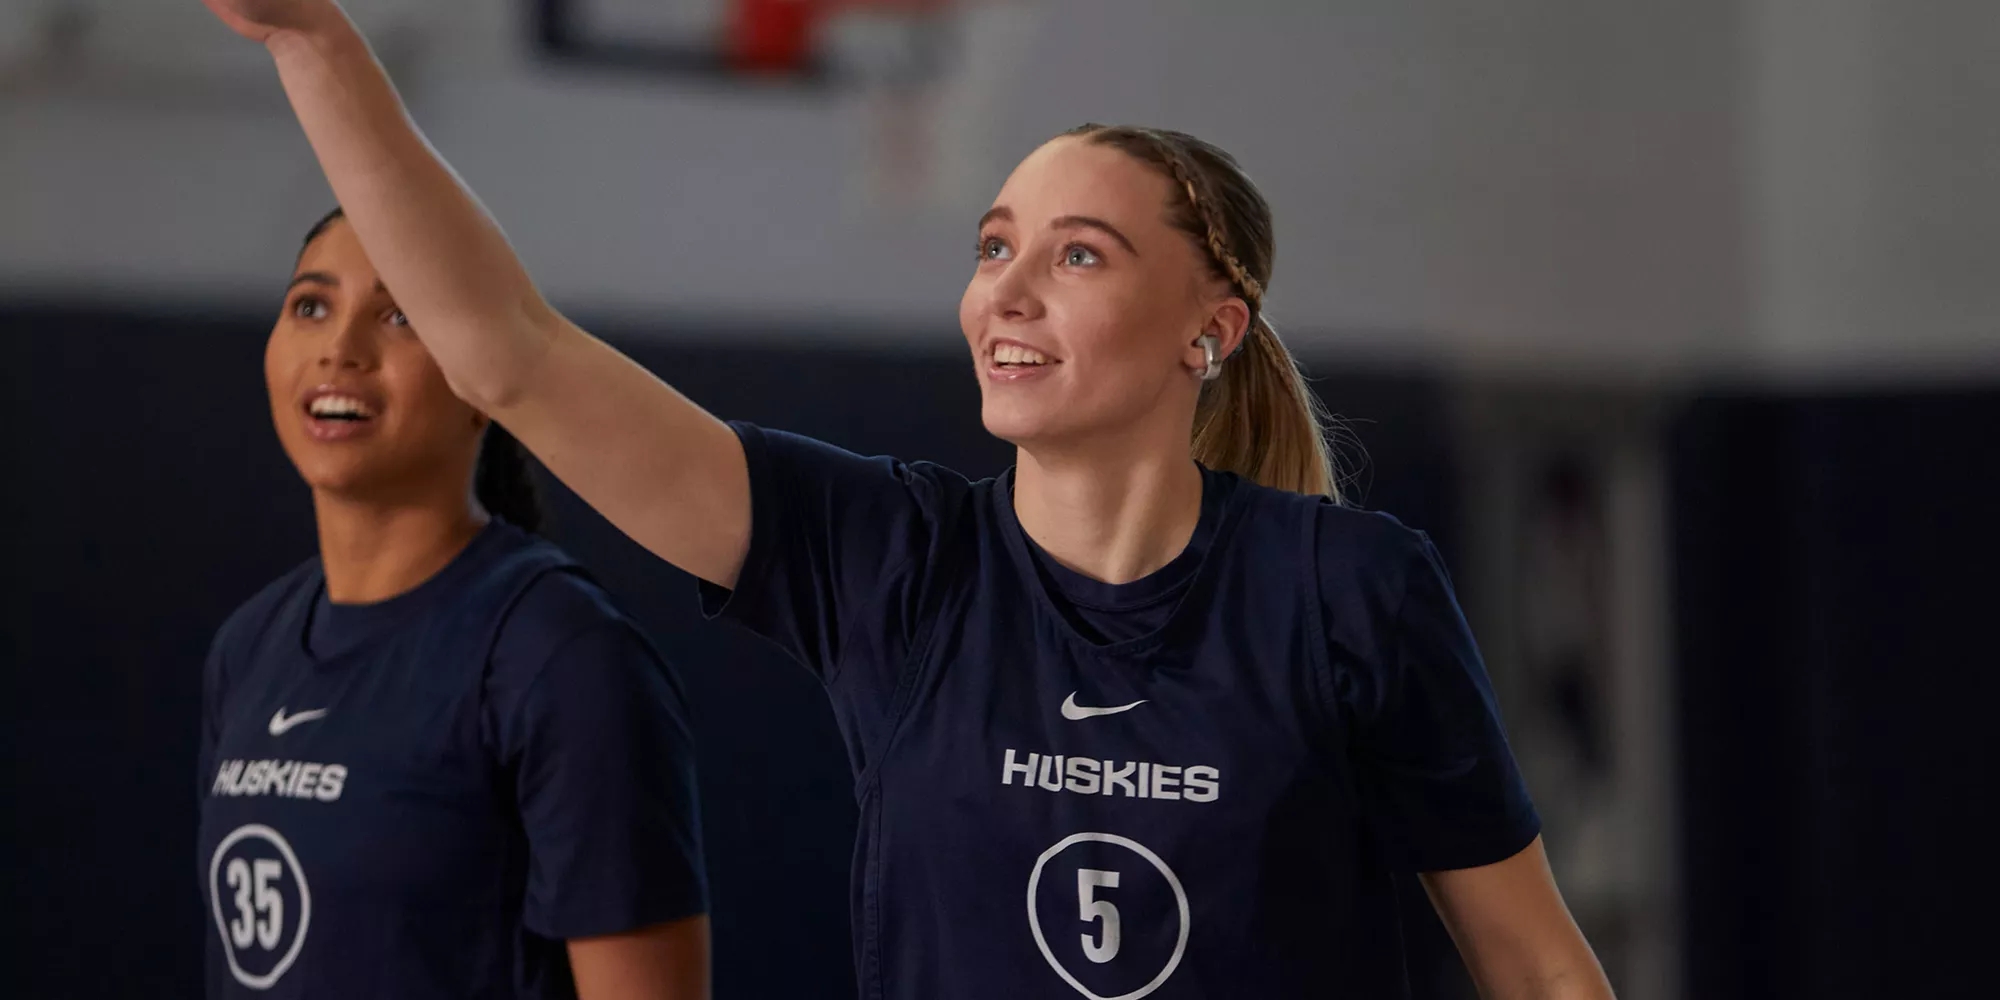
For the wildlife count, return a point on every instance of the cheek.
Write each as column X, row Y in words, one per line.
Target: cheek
column 273, row 362
column 1103, row 328
column 280, row 377
column 1129, row 352
column 971, row 307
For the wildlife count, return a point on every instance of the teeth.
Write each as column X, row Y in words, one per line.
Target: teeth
column 1015, row 354
column 339, row 406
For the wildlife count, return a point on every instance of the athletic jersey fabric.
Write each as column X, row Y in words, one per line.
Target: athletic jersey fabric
column 1210, row 807
column 1104, row 613
column 427, row 796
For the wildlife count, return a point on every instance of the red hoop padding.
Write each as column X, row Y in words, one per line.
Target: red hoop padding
column 773, row 36
column 780, row 36
column 898, row 6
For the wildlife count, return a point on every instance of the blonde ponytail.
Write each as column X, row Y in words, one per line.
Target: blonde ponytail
column 1261, row 421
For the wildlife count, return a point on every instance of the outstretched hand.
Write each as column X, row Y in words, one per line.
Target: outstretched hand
column 258, row 20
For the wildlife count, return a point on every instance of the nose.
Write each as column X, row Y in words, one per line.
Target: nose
column 351, row 344
column 1016, row 292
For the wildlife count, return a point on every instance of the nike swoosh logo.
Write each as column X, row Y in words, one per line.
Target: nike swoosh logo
column 1071, row 710
column 282, row 723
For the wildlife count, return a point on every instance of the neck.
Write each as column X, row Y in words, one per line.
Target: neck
column 1115, row 511
column 373, row 551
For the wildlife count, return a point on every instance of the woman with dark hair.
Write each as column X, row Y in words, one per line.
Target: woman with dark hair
column 1152, row 713
column 437, row 761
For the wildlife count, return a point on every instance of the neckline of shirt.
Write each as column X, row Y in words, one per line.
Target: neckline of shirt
column 1182, row 579
column 378, row 617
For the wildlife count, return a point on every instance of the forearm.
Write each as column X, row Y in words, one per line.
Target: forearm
column 1516, row 935
column 1584, row 981
column 440, row 254
column 1533, row 960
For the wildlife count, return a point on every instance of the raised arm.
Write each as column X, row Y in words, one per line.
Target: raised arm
column 659, row 467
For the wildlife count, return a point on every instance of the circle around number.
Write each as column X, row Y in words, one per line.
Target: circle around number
column 1035, row 921
column 264, row 981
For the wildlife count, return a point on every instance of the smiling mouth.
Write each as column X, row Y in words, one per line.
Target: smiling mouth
column 336, row 407
column 332, row 415
column 1015, row 357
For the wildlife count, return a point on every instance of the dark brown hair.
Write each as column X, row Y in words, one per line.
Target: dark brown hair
column 1259, row 419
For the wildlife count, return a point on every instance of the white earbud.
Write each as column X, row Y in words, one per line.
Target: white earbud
column 1211, row 352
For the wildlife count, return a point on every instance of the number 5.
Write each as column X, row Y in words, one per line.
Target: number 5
column 269, row 902
column 1090, row 908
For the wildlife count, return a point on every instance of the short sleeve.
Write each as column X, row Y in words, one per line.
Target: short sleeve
column 603, row 766
column 838, row 544
column 1440, row 784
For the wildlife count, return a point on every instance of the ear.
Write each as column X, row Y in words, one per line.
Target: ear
column 1228, row 322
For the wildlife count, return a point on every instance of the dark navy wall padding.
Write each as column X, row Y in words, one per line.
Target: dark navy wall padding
column 1840, row 671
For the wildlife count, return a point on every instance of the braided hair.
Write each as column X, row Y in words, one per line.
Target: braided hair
column 504, row 478
column 1259, row 419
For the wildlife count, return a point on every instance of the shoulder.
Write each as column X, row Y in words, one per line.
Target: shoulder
column 1366, row 561
column 550, row 600
column 558, row 604
column 236, row 640
column 1369, row 541
column 791, row 452
column 275, row 600
column 869, row 496
column 565, row 647
column 563, row 628
column 1350, row 546
column 559, row 615
column 1379, row 583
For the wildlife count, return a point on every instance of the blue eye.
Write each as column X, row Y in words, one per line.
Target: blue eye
column 396, row 318
column 1080, row 256
column 994, row 248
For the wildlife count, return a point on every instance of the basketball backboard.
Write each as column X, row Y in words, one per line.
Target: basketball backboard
column 886, row 61
column 805, row 42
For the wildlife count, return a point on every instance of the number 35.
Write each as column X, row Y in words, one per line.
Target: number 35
column 255, row 896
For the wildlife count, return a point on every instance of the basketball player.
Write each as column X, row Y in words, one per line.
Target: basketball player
column 436, row 760
column 1150, row 715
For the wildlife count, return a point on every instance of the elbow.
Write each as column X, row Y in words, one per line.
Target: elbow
column 491, row 393
column 506, row 375
column 1570, row 977
column 1576, row 984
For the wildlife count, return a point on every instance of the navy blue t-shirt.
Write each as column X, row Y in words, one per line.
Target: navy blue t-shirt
column 428, row 796
column 1210, row 804
column 1110, row 612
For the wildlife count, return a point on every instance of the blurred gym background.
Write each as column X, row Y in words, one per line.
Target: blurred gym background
column 1670, row 320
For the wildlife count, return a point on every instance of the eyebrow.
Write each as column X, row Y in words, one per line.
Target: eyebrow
column 324, row 278
column 1004, row 213
column 1088, row 222
column 313, row 277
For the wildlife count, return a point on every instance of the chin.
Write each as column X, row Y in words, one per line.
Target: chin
column 1009, row 423
column 1023, row 427
column 340, row 476
column 346, row 487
